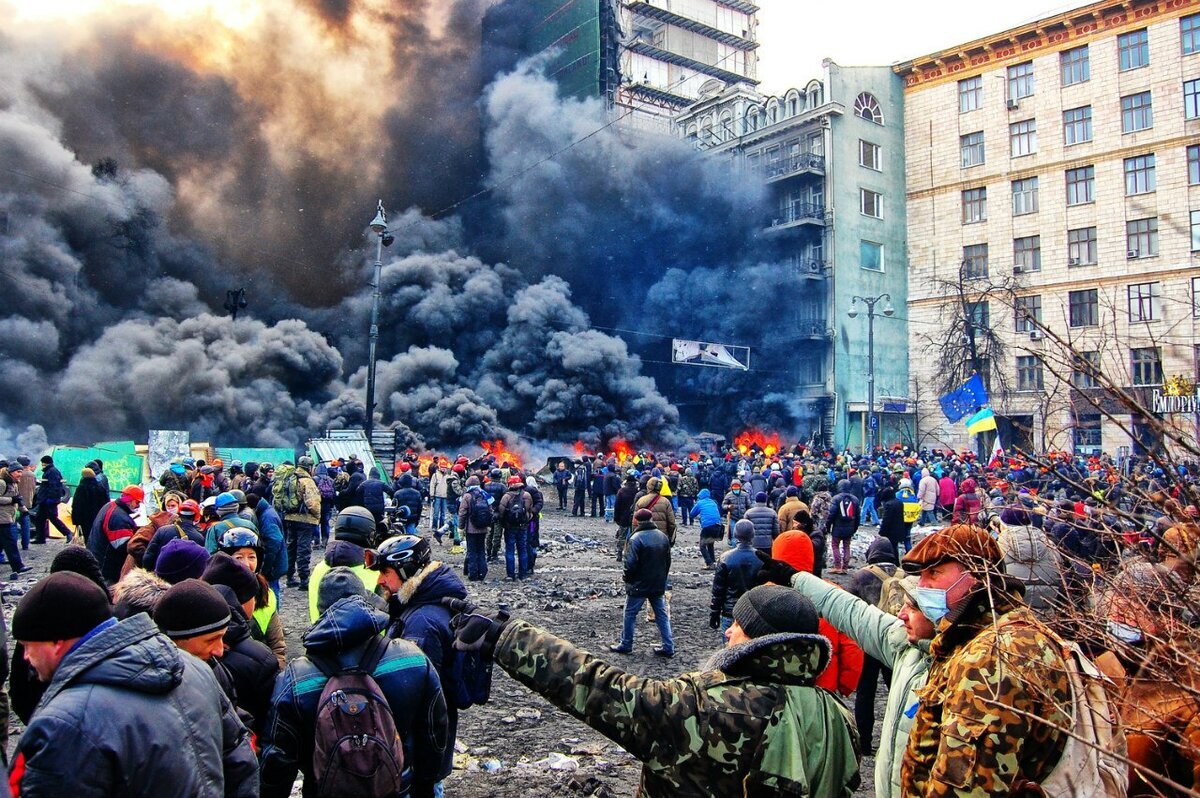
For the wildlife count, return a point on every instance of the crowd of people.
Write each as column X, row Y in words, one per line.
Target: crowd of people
column 1033, row 620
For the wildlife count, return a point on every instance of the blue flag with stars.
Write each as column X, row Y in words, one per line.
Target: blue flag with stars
column 964, row 400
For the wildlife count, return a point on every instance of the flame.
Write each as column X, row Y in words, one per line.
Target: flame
column 768, row 443
column 581, row 449
column 621, row 449
column 497, row 449
column 693, row 456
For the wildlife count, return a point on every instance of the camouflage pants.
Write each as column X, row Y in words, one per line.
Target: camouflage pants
column 494, row 536
column 622, row 538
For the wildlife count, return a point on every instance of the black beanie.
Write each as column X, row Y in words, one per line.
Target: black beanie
column 62, row 606
column 772, row 609
column 77, row 559
column 225, row 570
column 190, row 609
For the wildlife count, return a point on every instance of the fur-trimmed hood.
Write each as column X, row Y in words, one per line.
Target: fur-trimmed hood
column 430, row 585
column 138, row 592
column 787, row 658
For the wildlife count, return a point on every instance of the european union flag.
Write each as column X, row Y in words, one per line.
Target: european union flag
column 964, row 400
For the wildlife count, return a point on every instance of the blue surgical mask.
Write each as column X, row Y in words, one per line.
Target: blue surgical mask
column 932, row 601
column 1124, row 632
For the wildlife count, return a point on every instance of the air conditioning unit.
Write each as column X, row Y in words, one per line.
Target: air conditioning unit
column 1133, row 253
column 1036, row 335
column 1018, row 269
column 1073, row 261
column 1013, row 105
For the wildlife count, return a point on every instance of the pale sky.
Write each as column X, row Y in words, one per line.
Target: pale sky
column 795, row 35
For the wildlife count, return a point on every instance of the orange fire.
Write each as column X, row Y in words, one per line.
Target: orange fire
column 582, row 450
column 621, row 450
column 767, row 442
column 497, row 449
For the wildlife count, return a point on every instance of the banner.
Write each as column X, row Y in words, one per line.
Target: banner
column 965, row 399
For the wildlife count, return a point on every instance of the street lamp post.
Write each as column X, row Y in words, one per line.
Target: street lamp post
column 379, row 228
column 888, row 310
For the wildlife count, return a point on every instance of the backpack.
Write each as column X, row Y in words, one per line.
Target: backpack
column 846, row 509
column 480, row 514
column 891, row 596
column 516, row 514
column 580, row 478
column 325, row 486
column 357, row 752
column 285, row 488
column 468, row 679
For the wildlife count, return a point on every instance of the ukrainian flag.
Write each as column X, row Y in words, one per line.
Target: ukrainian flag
column 982, row 421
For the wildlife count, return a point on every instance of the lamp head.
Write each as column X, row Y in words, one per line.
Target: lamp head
column 888, row 310
column 379, row 223
column 853, row 311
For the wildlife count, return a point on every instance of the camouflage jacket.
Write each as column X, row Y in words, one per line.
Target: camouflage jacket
column 750, row 724
column 990, row 713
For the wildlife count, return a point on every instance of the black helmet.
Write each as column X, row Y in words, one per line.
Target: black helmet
column 406, row 554
column 355, row 525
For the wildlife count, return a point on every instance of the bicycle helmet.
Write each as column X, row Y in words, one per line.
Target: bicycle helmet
column 189, row 507
column 405, row 554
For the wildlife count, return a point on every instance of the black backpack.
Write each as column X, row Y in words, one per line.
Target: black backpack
column 516, row 514
column 481, row 514
column 357, row 752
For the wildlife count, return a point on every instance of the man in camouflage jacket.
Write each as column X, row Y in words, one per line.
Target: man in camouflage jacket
column 750, row 723
column 992, row 716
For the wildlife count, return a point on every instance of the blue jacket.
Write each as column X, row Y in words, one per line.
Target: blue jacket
column 274, row 546
column 408, row 496
column 406, row 676
column 706, row 509
column 371, row 495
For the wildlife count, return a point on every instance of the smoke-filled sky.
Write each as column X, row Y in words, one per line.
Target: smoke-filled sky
column 153, row 156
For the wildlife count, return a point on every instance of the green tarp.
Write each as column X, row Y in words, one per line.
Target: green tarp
column 121, row 465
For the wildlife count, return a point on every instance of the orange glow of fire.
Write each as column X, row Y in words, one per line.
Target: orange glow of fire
column 497, row 449
column 581, row 449
column 767, row 442
column 621, row 450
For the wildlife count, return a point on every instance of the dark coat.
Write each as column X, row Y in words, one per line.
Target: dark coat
column 107, row 542
column 539, row 501
column 517, row 493
column 841, row 527
column 623, row 510
column 89, row 497
column 737, row 572
column 407, row 678
column 252, row 664
column 612, row 483
column 274, row 546
column 113, row 703
column 766, row 525
column 370, row 494
column 164, row 535
column 647, row 562
column 408, row 496
column 51, row 488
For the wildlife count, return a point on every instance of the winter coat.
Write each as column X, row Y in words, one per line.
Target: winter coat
column 464, row 511
column 967, row 505
column 214, row 533
column 623, row 508
column 310, row 500
column 707, row 510
column 139, row 541
column 1029, row 557
column 757, row 484
column 647, row 562
column 787, row 512
column 51, row 489
column 252, row 665
column 766, row 525
column 408, row 496
column 882, row 637
column 819, row 510
column 736, row 504
column 274, row 545
column 517, row 493
column 438, row 485
column 865, row 583
column 539, row 501
column 27, row 486
column 562, row 477
column 89, row 497
column 108, row 537
column 405, row 676
column 842, row 525
column 703, row 734
column 612, row 483
column 371, row 495
column 663, row 514
column 9, row 493
column 688, row 486
column 928, row 491
column 891, row 521
column 947, row 491
column 164, row 535
column 267, row 628
column 114, row 702
column 596, row 486
column 737, row 572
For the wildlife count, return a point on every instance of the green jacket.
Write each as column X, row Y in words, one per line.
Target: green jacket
column 881, row 636
column 750, row 724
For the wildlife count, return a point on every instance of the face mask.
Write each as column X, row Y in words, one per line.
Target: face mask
column 1124, row 632
column 932, row 601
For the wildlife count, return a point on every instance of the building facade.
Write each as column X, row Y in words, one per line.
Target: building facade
column 1053, row 187
column 832, row 157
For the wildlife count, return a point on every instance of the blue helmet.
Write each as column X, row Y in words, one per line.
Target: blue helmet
column 226, row 501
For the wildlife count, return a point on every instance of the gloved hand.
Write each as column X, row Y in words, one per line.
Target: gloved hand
column 714, row 619
column 475, row 630
column 776, row 571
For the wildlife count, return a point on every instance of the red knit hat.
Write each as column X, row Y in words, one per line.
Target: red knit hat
column 794, row 548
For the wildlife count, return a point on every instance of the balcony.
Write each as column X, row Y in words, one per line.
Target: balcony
column 655, row 10
column 813, row 330
column 804, row 163
column 808, row 268
column 798, row 214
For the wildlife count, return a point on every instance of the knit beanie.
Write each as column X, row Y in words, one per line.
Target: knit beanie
column 181, row 559
column 341, row 582
column 795, row 548
column 190, row 609
column 760, row 497
column 225, row 570
column 77, row 559
column 773, row 609
column 792, row 491
column 743, row 530
column 62, row 606
column 643, row 515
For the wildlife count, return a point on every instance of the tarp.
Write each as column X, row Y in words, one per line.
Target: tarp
column 254, row 455
column 121, row 469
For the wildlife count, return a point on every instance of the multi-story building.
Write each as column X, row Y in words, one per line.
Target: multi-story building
column 832, row 155
column 1053, row 174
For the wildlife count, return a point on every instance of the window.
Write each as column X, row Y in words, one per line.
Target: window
column 979, row 315
column 970, row 94
column 1144, row 301
column 869, row 155
column 971, row 146
column 1081, row 247
column 1020, row 80
column 1075, row 65
column 1088, row 432
column 1196, row 302
column 1146, row 366
column 1195, row 231
column 870, row 203
column 1025, row 196
column 1141, row 238
column 867, row 107
column 1077, row 125
column 1083, row 308
column 870, row 256
column 975, row 261
column 1023, row 137
column 1085, row 369
column 1193, row 160
column 1027, row 253
column 1029, row 373
column 1189, row 34
column 1027, row 310
column 1081, row 185
column 1136, row 112
column 1139, row 175
column 1133, row 49
column 974, row 205
column 1191, row 99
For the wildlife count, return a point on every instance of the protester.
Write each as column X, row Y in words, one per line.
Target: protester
column 736, row 574
column 112, row 529
column 647, row 563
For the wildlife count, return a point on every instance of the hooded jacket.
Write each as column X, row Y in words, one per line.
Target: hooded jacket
column 406, row 677
column 250, row 663
column 129, row 715
column 967, row 505
column 928, row 490
column 408, row 496
column 623, row 506
column 89, row 497
column 842, row 525
column 660, row 506
column 737, row 572
column 706, row 509
column 766, row 525
column 472, row 494
column 865, row 583
column 274, row 545
column 338, row 552
column 787, row 512
column 750, row 724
